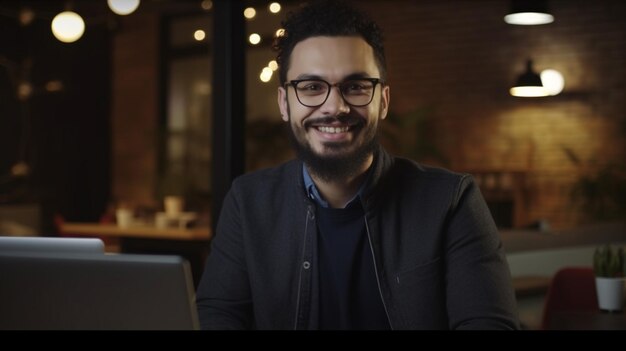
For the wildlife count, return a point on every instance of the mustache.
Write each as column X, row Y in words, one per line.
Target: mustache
column 343, row 119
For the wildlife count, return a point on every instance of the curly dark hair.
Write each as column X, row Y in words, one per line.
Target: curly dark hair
column 327, row 18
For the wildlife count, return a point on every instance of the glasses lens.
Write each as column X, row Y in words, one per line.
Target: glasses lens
column 312, row 92
column 357, row 92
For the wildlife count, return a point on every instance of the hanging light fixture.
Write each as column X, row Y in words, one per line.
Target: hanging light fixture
column 123, row 7
column 529, row 84
column 529, row 13
column 68, row 26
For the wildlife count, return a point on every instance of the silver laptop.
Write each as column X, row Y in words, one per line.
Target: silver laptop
column 10, row 244
column 54, row 291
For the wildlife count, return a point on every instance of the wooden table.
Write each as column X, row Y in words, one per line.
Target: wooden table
column 136, row 231
column 148, row 239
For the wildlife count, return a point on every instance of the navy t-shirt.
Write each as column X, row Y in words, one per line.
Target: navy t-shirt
column 349, row 295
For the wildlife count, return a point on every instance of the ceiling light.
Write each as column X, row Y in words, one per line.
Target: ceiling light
column 529, row 84
column 529, row 12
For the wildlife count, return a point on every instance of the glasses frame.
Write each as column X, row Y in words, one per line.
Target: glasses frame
column 294, row 83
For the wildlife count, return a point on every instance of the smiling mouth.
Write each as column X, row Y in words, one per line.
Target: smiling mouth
column 333, row 125
column 332, row 130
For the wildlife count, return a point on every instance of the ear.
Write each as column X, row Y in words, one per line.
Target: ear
column 384, row 102
column 282, row 104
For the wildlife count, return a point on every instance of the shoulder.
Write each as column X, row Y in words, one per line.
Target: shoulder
column 429, row 181
column 410, row 170
column 268, row 179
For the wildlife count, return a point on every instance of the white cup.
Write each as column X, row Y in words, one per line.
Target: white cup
column 160, row 220
column 124, row 217
column 173, row 206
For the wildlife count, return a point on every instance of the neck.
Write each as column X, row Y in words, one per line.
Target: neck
column 338, row 192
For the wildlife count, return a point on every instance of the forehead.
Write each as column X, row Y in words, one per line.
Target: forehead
column 332, row 58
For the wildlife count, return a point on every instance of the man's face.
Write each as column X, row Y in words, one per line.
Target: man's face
column 334, row 130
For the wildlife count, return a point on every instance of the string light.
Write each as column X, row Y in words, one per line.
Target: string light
column 68, row 26
column 199, row 35
column 274, row 7
column 249, row 13
column 254, row 38
column 123, row 7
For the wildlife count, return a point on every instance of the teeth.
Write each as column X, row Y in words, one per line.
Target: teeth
column 333, row 130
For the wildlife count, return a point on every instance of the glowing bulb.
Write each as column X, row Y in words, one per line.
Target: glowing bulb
column 123, row 7
column 68, row 26
column 207, row 5
column 249, row 13
column 199, row 35
column 280, row 32
column 553, row 81
column 266, row 74
column 254, row 38
column 273, row 65
column 274, row 7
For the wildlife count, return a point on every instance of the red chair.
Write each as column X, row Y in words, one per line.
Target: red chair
column 571, row 289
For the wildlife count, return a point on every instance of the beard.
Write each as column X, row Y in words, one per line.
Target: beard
column 339, row 162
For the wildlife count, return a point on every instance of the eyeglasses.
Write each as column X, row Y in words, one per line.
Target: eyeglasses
column 315, row 92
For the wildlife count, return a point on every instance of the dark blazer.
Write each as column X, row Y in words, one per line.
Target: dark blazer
column 438, row 258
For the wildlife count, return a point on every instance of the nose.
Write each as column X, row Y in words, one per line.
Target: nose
column 335, row 104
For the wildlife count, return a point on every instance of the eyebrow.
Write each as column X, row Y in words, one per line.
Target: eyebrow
column 356, row 75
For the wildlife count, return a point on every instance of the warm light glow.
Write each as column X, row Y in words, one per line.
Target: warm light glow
column 24, row 91
column 199, row 35
column 529, row 91
column 274, row 7
column 529, row 18
column 280, row 32
column 249, row 13
column 54, row 86
column 68, row 26
column 207, row 5
column 202, row 87
column 26, row 16
column 266, row 74
column 273, row 65
column 553, row 81
column 123, row 7
column 254, row 38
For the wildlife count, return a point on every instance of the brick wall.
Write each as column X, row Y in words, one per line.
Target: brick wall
column 459, row 58
column 135, row 108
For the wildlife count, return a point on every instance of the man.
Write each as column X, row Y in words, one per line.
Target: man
column 349, row 237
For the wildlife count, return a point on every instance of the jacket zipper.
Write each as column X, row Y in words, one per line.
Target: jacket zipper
column 380, row 291
column 306, row 229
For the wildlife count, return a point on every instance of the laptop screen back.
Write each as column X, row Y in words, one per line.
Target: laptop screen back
column 10, row 244
column 43, row 291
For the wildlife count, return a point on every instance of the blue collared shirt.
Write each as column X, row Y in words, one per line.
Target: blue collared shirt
column 314, row 194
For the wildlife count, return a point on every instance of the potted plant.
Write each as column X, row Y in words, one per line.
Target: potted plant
column 608, row 266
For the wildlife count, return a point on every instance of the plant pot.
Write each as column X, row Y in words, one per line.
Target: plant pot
column 610, row 293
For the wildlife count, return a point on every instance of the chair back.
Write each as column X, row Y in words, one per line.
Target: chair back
column 571, row 289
